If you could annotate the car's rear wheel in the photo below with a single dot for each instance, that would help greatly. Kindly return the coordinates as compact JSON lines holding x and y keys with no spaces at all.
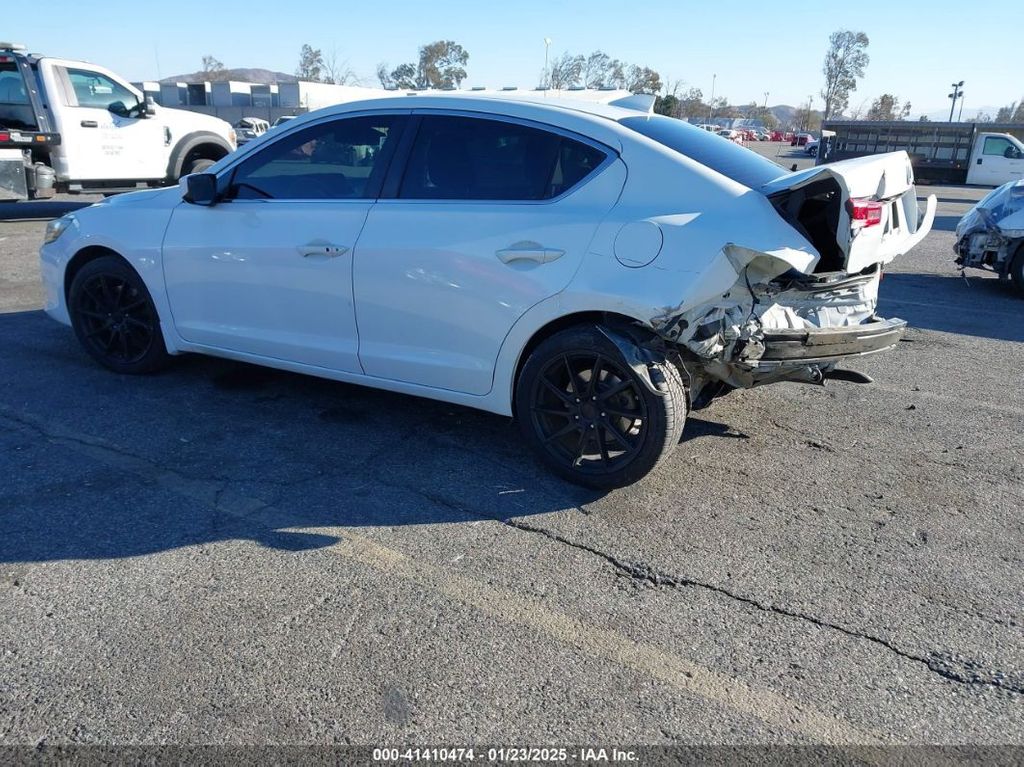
{"x":114,"y":317}
{"x":590,"y":417}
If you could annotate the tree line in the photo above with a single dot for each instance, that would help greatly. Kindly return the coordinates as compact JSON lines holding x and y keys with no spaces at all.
{"x":442,"y":65}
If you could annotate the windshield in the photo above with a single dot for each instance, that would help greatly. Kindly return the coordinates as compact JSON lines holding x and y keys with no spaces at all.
{"x":721,"y":155}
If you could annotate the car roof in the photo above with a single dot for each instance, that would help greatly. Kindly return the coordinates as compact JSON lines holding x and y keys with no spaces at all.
{"x":489,"y":102}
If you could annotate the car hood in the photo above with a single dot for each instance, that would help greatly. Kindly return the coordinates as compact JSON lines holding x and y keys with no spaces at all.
{"x":1001,"y":209}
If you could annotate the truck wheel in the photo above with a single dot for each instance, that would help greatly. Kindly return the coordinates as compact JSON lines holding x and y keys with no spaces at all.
{"x":114,"y":318}
{"x":589,"y":417}
{"x":197,"y":166}
{"x":1017,"y":269}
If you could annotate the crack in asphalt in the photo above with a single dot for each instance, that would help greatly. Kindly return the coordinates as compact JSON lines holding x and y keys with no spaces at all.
{"x":935,"y":662}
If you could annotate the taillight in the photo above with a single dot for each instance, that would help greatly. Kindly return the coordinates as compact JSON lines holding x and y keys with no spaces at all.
{"x":5,"y":136}
{"x":864,"y":213}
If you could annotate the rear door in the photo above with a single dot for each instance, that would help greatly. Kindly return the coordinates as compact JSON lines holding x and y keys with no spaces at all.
{"x":490,"y":217}
{"x":101,"y":139}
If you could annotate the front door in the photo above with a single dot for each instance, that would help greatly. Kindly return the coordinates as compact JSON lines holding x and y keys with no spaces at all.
{"x":268,"y":271}
{"x":103,"y":136}
{"x":491,"y":217}
{"x":999,"y":161}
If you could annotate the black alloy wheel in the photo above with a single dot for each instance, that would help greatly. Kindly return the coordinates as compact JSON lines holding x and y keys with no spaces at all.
{"x":589,"y":413}
{"x":114,"y":317}
{"x":590,"y":417}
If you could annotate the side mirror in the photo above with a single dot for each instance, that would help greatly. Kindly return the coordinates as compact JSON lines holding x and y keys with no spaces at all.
{"x":201,"y":189}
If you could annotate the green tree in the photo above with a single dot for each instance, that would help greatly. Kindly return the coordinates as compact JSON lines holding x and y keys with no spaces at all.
{"x":642,"y":80}
{"x":565,"y":72}
{"x":311,"y":64}
{"x":845,"y":61}
{"x":888,"y":107}
{"x":402,"y":77}
{"x":442,"y":65}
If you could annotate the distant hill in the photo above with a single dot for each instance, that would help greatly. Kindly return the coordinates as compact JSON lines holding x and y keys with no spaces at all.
{"x":242,"y":75}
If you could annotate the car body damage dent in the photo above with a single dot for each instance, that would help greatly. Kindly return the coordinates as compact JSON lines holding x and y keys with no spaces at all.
{"x":991,"y":235}
{"x":778,"y":322}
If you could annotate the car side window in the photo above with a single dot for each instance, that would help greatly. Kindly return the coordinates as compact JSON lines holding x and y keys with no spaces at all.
{"x":98,"y":91}
{"x":468,"y":158}
{"x":336,"y":160}
{"x":996,"y":145}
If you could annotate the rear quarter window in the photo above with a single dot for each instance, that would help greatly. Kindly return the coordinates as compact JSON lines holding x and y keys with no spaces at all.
{"x":470,"y":158}
{"x":719,"y":154}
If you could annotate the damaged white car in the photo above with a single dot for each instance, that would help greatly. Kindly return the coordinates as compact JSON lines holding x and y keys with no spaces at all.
{"x":593,"y":270}
{"x":991,"y":235}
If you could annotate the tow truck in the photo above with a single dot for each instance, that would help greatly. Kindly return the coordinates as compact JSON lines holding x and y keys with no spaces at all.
{"x":70,"y":126}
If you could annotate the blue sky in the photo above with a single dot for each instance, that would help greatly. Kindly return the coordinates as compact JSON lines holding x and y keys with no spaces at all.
{"x":917,"y":48}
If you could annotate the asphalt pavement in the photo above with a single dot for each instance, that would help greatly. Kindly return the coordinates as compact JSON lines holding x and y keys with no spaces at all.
{"x":228,"y":554}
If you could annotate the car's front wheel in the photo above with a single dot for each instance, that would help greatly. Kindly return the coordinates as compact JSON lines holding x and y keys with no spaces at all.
{"x":114,"y":317}
{"x":590,"y":417}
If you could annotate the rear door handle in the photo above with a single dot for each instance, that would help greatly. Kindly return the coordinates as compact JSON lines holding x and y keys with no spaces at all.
{"x":529,"y":251}
{"x":325,"y":250}
{"x":90,"y":124}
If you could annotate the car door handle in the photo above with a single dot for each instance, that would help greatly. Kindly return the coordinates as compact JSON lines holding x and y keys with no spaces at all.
{"x":529,"y":251}
{"x":322,"y":249}
{"x":90,"y":124}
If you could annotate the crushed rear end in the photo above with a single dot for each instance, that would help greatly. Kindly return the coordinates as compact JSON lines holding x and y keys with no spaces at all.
{"x":791,"y":314}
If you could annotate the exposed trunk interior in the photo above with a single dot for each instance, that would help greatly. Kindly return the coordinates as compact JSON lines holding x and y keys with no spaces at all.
{"x":814,"y":210}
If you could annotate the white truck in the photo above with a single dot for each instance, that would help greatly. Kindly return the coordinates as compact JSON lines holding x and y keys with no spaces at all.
{"x":985,"y":154}
{"x":70,"y":126}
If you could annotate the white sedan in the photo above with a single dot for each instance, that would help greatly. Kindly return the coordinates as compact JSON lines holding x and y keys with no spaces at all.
{"x":593,"y":270}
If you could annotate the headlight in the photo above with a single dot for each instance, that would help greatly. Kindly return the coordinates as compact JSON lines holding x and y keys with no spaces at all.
{"x":56,"y":228}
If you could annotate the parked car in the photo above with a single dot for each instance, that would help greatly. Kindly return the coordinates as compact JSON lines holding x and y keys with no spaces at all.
{"x":594,"y":270}
{"x":800,"y":139}
{"x":249,"y":128}
{"x":990,"y":236}
{"x":732,"y":135}
{"x":282,"y":120}
{"x":811,"y":147}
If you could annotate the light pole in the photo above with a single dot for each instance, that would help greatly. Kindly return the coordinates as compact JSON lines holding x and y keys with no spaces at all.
{"x":711,"y":103}
{"x":766,"y":99}
{"x":960,"y":114}
{"x":957,"y":93}
{"x":547,"y":71}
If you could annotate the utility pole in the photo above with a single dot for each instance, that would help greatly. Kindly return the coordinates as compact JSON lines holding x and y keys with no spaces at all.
{"x":711,"y":103}
{"x":766,"y":99}
{"x":547,"y":70}
{"x":957,"y":93}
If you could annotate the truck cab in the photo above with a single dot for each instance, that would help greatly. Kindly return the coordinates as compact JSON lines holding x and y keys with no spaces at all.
{"x":94,"y":132}
{"x":996,"y":159}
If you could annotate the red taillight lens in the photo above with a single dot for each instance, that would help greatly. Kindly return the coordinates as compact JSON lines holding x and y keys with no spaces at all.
{"x":865,"y":213}
{"x":5,"y":136}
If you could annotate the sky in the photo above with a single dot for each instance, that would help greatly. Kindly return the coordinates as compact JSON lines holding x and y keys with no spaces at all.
{"x":917,"y":48}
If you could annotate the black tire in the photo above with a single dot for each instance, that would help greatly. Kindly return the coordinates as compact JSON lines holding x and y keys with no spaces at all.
{"x":601,"y":432}
{"x":196,"y":166}
{"x":1017,"y":269}
{"x":114,"y":318}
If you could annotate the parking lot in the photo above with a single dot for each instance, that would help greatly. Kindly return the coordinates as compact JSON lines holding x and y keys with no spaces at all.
{"x":225,"y":553}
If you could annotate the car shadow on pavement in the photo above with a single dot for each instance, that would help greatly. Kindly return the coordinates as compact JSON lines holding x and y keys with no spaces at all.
{"x":100,"y":466}
{"x":976,"y":306}
{"x":32,"y":210}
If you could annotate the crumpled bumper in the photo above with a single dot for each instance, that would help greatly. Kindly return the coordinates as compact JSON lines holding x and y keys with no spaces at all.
{"x":831,"y":344}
